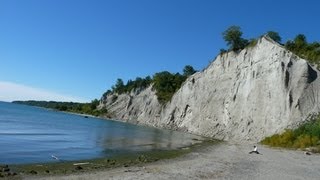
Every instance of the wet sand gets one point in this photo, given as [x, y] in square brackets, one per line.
[222, 161]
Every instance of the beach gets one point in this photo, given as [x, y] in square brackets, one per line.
[222, 161]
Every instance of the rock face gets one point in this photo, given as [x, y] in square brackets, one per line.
[240, 96]
[139, 106]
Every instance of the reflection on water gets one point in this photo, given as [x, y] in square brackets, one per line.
[33, 135]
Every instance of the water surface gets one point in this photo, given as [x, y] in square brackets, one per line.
[33, 135]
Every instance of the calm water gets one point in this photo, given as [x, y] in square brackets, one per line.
[32, 135]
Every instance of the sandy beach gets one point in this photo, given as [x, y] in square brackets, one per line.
[222, 161]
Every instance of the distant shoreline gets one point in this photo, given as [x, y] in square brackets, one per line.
[86, 109]
[78, 114]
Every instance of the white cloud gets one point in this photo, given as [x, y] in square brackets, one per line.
[11, 91]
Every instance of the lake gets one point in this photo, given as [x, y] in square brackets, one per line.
[34, 135]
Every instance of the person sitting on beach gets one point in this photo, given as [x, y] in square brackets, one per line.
[255, 150]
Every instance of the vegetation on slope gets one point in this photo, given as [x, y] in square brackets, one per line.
[305, 50]
[235, 42]
[307, 135]
[120, 87]
[164, 83]
[81, 108]
[299, 46]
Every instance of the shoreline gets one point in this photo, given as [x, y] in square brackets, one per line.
[46, 170]
[77, 114]
[221, 161]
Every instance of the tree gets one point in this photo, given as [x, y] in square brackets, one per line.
[166, 84]
[188, 71]
[274, 35]
[119, 87]
[300, 40]
[290, 45]
[94, 103]
[233, 38]
[148, 80]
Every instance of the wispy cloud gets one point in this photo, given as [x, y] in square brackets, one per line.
[11, 91]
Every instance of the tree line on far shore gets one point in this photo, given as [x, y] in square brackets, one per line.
[81, 108]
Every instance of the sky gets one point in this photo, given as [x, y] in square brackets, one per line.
[74, 50]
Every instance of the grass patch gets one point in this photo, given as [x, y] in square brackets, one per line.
[252, 43]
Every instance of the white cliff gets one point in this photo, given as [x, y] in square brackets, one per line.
[240, 96]
[139, 106]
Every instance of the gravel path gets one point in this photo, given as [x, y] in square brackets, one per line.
[223, 161]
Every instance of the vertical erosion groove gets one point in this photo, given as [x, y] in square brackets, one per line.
[287, 78]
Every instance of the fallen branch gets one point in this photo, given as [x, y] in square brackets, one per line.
[77, 164]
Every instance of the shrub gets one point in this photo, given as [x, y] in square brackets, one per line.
[305, 140]
[305, 136]
[274, 35]
[280, 140]
[308, 51]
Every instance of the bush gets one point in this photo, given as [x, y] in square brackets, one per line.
[274, 35]
[308, 51]
[306, 135]
[305, 140]
[283, 140]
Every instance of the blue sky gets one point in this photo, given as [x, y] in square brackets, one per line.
[76, 49]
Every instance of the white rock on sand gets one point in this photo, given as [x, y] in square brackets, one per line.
[223, 161]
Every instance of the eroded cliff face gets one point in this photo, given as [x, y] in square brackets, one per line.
[138, 106]
[240, 96]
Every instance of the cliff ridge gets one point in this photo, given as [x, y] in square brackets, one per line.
[244, 95]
